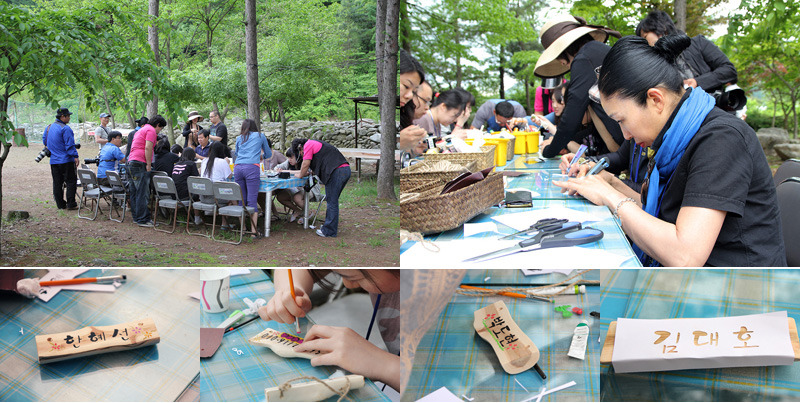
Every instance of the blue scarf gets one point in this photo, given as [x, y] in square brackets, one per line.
[684, 126]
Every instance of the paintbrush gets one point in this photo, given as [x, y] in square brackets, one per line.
[99, 280]
[294, 297]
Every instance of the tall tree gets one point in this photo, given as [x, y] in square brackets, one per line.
[251, 56]
[680, 14]
[152, 37]
[386, 54]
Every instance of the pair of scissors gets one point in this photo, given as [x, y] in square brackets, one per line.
[569, 237]
[541, 225]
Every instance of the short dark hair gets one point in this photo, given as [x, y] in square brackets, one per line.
[451, 99]
[188, 154]
[632, 67]
[158, 121]
[177, 149]
[205, 132]
[409, 64]
[504, 109]
[657, 22]
[114, 134]
[575, 46]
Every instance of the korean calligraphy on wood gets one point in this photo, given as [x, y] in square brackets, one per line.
[639, 345]
[281, 343]
[96, 340]
[513, 348]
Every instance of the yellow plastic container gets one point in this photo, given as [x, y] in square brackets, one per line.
[520, 142]
[533, 142]
[500, 150]
[469, 141]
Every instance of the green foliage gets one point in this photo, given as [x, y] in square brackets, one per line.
[625, 15]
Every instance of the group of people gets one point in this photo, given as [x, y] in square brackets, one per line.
[687, 179]
[149, 151]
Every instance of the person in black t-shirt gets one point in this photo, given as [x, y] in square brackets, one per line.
[709, 198]
[181, 171]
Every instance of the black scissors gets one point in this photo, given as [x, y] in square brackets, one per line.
[560, 238]
[541, 225]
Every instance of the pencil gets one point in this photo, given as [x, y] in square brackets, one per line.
[504, 293]
[294, 297]
[232, 328]
[100, 280]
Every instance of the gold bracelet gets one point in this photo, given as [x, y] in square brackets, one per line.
[616, 210]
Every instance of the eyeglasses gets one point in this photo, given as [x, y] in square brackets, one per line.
[427, 101]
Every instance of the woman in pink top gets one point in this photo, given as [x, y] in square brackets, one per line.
[333, 170]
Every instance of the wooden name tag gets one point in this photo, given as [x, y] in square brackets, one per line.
[313, 391]
[282, 343]
[704, 343]
[515, 350]
[96, 340]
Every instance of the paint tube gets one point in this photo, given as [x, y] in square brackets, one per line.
[576, 289]
[577, 349]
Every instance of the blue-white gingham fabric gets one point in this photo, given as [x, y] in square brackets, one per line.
[700, 293]
[154, 373]
[228, 376]
[516, 277]
[451, 354]
[269, 184]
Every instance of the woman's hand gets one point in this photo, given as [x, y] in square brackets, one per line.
[283, 308]
[596, 188]
[343, 347]
[690, 82]
[411, 136]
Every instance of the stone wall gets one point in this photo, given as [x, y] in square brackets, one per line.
[339, 134]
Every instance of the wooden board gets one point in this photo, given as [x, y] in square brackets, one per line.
[93, 340]
[313, 391]
[513, 348]
[608, 345]
[282, 343]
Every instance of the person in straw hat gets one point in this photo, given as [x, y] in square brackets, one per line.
[191, 129]
[571, 45]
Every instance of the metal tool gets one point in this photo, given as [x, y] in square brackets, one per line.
[540, 225]
[567, 237]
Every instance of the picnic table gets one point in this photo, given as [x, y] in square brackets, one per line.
[546, 195]
[451, 354]
[157, 373]
[228, 376]
[269, 184]
[367, 154]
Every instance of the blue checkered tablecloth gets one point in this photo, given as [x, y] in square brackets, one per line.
[228, 376]
[700, 293]
[255, 276]
[514, 276]
[524, 162]
[270, 184]
[155, 373]
[451, 354]
[540, 181]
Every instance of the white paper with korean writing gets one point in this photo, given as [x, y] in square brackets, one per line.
[643, 345]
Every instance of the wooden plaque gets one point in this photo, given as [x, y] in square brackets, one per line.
[282, 343]
[513, 348]
[608, 345]
[313, 391]
[96, 340]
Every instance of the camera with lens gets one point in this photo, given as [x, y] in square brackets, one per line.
[44, 153]
[731, 99]
[88, 161]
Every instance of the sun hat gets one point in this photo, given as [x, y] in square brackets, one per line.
[194, 115]
[558, 34]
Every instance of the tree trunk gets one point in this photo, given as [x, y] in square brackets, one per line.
[283, 124]
[5, 148]
[528, 96]
[457, 40]
[387, 91]
[794, 113]
[380, 46]
[251, 44]
[405, 27]
[680, 14]
[152, 38]
[502, 74]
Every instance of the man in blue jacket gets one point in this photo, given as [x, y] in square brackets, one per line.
[60, 140]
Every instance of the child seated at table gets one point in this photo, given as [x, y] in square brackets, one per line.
[342, 346]
[294, 197]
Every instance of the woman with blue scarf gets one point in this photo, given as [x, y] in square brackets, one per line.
[708, 198]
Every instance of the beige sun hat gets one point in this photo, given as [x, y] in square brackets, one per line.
[557, 35]
[194, 115]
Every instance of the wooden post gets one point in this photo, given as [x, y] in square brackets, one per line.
[93, 340]
[513, 348]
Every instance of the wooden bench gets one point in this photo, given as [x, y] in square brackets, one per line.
[368, 154]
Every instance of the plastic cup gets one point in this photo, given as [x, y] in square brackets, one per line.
[215, 290]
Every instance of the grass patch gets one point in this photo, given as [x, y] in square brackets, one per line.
[362, 194]
[374, 242]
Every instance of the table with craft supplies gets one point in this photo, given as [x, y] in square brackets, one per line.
[271, 183]
[452, 355]
[699, 293]
[481, 233]
[240, 371]
[161, 372]
[515, 276]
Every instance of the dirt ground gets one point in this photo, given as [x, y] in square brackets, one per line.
[368, 231]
